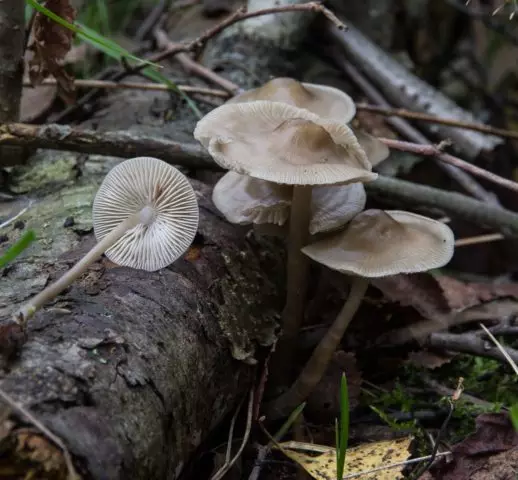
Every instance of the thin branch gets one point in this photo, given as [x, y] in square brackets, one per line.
[122, 144]
[469, 343]
[500, 347]
[193, 67]
[423, 117]
[22, 411]
[433, 151]
[489, 237]
[16, 217]
[110, 85]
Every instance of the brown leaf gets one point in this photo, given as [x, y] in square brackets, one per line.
[494, 434]
[420, 291]
[51, 43]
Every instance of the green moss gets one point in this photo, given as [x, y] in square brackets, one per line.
[45, 170]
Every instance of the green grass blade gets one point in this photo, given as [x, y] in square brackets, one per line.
[513, 412]
[13, 251]
[342, 428]
[289, 422]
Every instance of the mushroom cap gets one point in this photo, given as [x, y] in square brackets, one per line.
[380, 243]
[375, 149]
[244, 200]
[133, 185]
[324, 101]
[283, 144]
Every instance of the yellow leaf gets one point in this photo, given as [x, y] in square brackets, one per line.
[359, 459]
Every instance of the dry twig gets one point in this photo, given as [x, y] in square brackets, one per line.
[193, 67]
[118, 143]
[434, 151]
[110, 85]
[423, 117]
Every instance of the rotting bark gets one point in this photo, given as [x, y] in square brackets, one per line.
[134, 369]
[12, 20]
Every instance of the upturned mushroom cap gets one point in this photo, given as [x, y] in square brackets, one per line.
[283, 144]
[380, 243]
[245, 200]
[324, 101]
[133, 185]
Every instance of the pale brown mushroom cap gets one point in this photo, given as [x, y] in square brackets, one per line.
[245, 200]
[283, 144]
[133, 185]
[324, 101]
[380, 243]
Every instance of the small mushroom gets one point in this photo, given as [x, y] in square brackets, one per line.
[145, 216]
[376, 243]
[286, 145]
[246, 200]
[324, 101]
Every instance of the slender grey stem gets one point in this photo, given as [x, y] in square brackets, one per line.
[297, 268]
[298, 264]
[319, 360]
[54, 289]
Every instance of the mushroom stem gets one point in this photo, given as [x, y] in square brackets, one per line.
[317, 364]
[144, 216]
[297, 266]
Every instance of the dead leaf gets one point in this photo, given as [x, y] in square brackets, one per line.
[358, 459]
[420, 291]
[51, 43]
[37, 449]
[323, 405]
[428, 359]
[494, 434]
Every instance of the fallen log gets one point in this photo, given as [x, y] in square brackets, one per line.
[132, 369]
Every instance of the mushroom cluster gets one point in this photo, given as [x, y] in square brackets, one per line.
[292, 159]
[290, 156]
[145, 216]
